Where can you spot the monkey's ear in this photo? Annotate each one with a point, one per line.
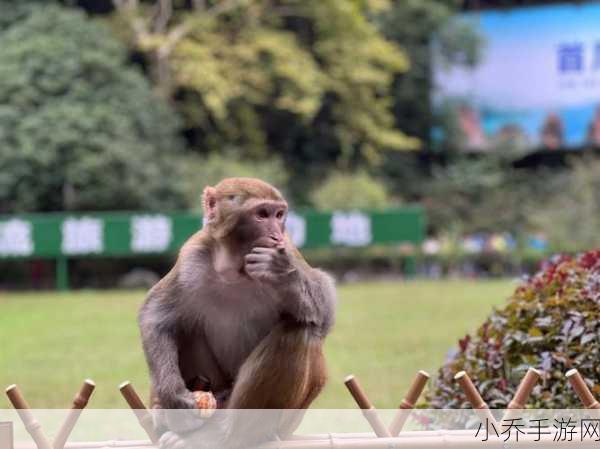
(209, 203)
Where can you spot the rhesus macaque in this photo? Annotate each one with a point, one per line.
(241, 313)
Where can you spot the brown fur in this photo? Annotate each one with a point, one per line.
(258, 345)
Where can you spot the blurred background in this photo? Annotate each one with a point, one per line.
(432, 151)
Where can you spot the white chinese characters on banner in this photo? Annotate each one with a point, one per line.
(16, 238)
(83, 235)
(151, 233)
(296, 228)
(350, 229)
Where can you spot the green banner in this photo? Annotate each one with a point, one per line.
(129, 234)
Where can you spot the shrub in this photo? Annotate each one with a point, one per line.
(209, 170)
(571, 217)
(351, 191)
(552, 322)
(79, 128)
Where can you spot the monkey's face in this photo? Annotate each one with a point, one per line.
(247, 211)
(261, 223)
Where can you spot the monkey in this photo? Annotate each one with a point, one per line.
(241, 313)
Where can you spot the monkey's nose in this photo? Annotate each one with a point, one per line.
(277, 239)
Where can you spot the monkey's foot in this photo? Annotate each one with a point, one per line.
(180, 421)
(170, 440)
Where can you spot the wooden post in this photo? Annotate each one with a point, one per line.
(6, 435)
(367, 408)
(408, 403)
(473, 396)
(582, 390)
(139, 409)
(31, 424)
(521, 396)
(79, 403)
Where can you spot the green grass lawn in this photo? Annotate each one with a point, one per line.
(385, 332)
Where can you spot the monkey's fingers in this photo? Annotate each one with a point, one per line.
(170, 440)
(262, 250)
(205, 402)
(257, 268)
(257, 258)
(259, 271)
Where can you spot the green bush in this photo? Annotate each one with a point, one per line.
(571, 217)
(351, 191)
(12, 12)
(205, 171)
(551, 322)
(79, 128)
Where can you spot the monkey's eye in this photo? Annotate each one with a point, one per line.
(231, 197)
(279, 215)
(262, 213)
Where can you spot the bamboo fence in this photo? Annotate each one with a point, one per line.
(385, 437)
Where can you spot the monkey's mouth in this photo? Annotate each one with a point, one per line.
(271, 241)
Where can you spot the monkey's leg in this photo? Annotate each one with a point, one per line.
(285, 371)
(282, 372)
(318, 377)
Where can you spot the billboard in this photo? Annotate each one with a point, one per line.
(133, 234)
(537, 85)
(61, 236)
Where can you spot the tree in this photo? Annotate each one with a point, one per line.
(350, 191)
(419, 26)
(309, 79)
(79, 128)
(570, 217)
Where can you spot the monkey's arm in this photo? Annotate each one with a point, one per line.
(309, 297)
(157, 322)
(307, 294)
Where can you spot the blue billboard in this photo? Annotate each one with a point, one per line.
(537, 84)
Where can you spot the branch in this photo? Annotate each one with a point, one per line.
(183, 29)
(125, 5)
(199, 5)
(164, 12)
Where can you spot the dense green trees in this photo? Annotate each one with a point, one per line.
(356, 189)
(79, 128)
(305, 94)
(415, 25)
(309, 81)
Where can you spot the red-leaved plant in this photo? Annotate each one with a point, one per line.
(551, 322)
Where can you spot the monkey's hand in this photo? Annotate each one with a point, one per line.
(181, 416)
(274, 265)
(170, 440)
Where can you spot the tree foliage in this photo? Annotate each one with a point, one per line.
(551, 322)
(202, 171)
(418, 27)
(307, 79)
(79, 128)
(351, 191)
(570, 217)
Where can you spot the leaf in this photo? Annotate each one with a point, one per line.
(535, 332)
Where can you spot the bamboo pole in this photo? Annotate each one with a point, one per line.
(446, 441)
(368, 410)
(139, 409)
(449, 439)
(473, 396)
(6, 435)
(585, 395)
(408, 403)
(522, 394)
(80, 401)
(31, 424)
